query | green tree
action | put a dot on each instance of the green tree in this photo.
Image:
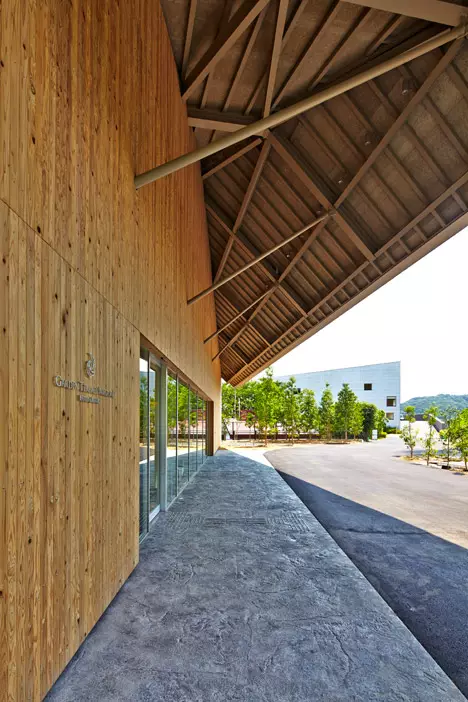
(344, 410)
(251, 423)
(291, 415)
(448, 434)
(143, 408)
(356, 421)
(309, 412)
(266, 403)
(369, 414)
(326, 413)
(228, 408)
(460, 435)
(430, 440)
(408, 434)
(380, 422)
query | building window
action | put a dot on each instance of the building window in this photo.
(367, 386)
(391, 401)
(390, 416)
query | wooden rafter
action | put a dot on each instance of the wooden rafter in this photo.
(447, 193)
(428, 10)
(228, 36)
(415, 140)
(244, 59)
(279, 145)
(386, 32)
(286, 153)
(250, 250)
(340, 48)
(239, 314)
(239, 151)
(401, 119)
(438, 117)
(228, 303)
(213, 119)
(326, 22)
(189, 35)
(275, 54)
(244, 205)
(294, 21)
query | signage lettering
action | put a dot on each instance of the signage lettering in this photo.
(90, 367)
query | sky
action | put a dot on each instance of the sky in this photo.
(419, 318)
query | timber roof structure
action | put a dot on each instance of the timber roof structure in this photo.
(386, 160)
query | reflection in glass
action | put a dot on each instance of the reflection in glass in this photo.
(182, 435)
(171, 438)
(193, 434)
(204, 430)
(199, 432)
(154, 428)
(144, 444)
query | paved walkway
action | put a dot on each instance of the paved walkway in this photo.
(405, 526)
(241, 595)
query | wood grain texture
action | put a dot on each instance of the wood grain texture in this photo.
(68, 510)
(89, 96)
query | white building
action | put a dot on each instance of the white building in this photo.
(378, 383)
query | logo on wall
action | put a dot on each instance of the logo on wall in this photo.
(87, 393)
(90, 366)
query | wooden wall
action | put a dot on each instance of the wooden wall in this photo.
(88, 96)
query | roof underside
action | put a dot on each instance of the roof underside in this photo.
(391, 156)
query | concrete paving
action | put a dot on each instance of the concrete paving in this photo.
(405, 526)
(241, 595)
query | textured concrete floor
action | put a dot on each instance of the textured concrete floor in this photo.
(405, 526)
(241, 594)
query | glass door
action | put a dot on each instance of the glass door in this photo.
(144, 441)
(154, 438)
(150, 433)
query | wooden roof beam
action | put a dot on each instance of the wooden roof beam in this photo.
(287, 113)
(240, 151)
(188, 35)
(284, 150)
(293, 22)
(401, 119)
(360, 270)
(244, 205)
(257, 259)
(340, 48)
(213, 119)
(327, 20)
(238, 315)
(275, 54)
(386, 32)
(226, 39)
(428, 10)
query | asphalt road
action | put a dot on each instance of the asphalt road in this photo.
(405, 527)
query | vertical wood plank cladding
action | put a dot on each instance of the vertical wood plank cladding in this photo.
(89, 96)
(59, 476)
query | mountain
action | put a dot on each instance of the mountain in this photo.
(442, 402)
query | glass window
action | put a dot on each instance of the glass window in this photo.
(367, 386)
(171, 437)
(182, 435)
(199, 432)
(390, 415)
(154, 435)
(203, 425)
(391, 401)
(144, 441)
(193, 434)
